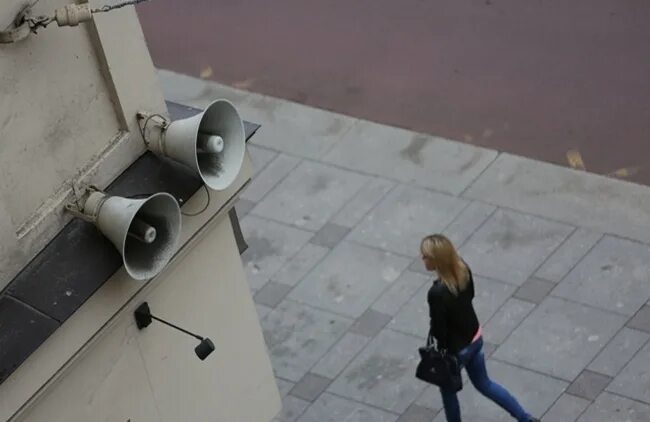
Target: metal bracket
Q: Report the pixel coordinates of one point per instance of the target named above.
(158, 145)
(19, 28)
(74, 207)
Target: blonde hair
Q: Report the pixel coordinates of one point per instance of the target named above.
(450, 267)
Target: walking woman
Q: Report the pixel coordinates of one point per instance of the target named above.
(456, 328)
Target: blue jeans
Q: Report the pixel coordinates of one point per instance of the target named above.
(473, 360)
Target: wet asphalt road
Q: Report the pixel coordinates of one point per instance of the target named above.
(531, 77)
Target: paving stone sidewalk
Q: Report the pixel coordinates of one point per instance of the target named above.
(334, 217)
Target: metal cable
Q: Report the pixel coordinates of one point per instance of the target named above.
(36, 22)
(108, 8)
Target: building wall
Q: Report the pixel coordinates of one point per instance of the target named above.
(68, 99)
(153, 374)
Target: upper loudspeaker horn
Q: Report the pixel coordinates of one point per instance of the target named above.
(212, 143)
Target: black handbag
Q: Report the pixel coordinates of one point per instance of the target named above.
(439, 368)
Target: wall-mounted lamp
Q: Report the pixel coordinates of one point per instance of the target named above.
(143, 318)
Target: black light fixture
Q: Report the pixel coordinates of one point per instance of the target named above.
(143, 318)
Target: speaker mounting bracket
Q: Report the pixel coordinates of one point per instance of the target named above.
(74, 207)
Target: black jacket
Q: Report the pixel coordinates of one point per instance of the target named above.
(453, 321)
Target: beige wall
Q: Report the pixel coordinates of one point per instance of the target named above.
(154, 375)
(68, 99)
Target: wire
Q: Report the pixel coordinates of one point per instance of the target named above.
(108, 8)
(205, 207)
(143, 129)
(207, 204)
(36, 22)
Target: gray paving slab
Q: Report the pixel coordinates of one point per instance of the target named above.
(558, 265)
(589, 385)
(574, 197)
(534, 290)
(506, 319)
(298, 336)
(382, 374)
(413, 318)
(267, 178)
(620, 350)
(330, 408)
(370, 323)
(490, 295)
(366, 198)
(417, 159)
(270, 245)
(614, 276)
(295, 128)
(271, 294)
(292, 409)
(489, 348)
(560, 338)
(634, 380)
(310, 387)
(349, 279)
(243, 207)
(535, 392)
(641, 320)
(262, 311)
(466, 223)
(260, 157)
(340, 355)
(510, 246)
(566, 409)
(330, 235)
(284, 386)
(402, 290)
(612, 408)
(418, 266)
(310, 195)
(417, 413)
(404, 217)
(298, 266)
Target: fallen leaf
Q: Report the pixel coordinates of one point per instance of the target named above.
(575, 159)
(624, 172)
(206, 72)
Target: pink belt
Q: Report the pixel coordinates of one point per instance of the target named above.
(477, 335)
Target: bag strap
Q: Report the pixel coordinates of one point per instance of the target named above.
(431, 340)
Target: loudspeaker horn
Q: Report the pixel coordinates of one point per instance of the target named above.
(144, 231)
(212, 143)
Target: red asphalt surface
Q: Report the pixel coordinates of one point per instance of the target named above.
(531, 77)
